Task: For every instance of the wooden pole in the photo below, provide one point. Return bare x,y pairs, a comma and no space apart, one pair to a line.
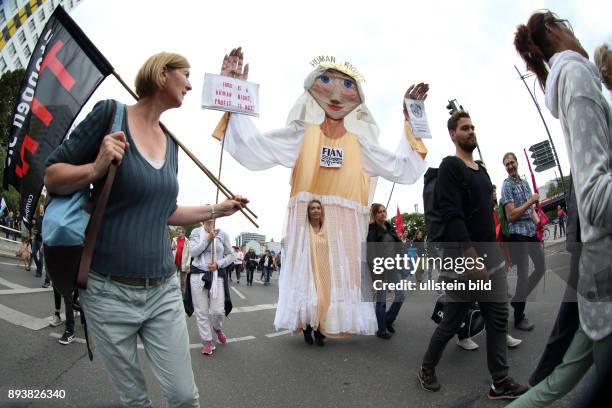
220,186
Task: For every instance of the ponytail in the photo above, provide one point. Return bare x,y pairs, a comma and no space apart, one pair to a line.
532,44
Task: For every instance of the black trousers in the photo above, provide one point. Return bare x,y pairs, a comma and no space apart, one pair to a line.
250,275
68,306
521,249
495,314
237,270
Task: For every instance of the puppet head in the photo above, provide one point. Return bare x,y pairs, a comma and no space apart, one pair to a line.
336,93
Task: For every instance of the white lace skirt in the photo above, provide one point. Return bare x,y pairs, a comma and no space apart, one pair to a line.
351,310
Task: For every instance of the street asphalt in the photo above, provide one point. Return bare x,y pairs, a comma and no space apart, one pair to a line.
263,368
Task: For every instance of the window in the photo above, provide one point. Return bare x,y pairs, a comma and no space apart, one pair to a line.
21,37
13,5
41,16
35,38
11,49
2,65
32,25
18,64
2,16
27,52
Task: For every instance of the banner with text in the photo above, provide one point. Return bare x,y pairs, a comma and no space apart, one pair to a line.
63,72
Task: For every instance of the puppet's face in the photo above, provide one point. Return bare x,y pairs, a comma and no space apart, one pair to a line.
336,93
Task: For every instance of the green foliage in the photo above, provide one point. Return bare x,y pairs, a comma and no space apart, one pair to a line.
557,188
10,83
413,222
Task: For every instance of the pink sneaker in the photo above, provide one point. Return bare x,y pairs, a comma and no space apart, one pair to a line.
221,337
208,348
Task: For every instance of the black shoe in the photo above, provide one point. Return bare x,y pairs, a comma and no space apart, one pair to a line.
67,338
390,327
308,335
38,275
524,325
319,337
383,335
428,380
506,389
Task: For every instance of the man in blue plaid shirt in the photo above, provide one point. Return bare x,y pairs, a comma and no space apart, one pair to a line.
518,202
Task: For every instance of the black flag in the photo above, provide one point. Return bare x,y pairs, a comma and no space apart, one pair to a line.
63,72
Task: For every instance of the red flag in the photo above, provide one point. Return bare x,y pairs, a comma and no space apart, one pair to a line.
399,223
64,70
541,214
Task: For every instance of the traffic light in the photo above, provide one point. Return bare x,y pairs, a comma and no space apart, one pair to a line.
542,156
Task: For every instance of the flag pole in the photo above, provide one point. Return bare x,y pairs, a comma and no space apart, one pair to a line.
220,186
390,194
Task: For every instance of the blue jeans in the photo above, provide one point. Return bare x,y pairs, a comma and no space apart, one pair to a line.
265,274
118,314
384,316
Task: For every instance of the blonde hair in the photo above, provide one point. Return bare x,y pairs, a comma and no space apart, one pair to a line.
150,79
322,210
603,58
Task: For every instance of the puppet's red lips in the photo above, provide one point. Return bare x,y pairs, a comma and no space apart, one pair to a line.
335,108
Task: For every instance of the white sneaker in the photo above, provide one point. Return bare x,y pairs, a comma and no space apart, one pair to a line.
55,321
512,342
467,344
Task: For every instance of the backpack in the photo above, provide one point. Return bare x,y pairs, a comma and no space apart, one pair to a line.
472,324
433,220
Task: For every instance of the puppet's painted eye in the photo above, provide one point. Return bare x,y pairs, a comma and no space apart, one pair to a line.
325,79
348,83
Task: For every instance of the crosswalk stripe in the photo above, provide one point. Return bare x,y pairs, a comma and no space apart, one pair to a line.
10,284
21,319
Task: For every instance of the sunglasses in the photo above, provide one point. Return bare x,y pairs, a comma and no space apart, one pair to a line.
565,23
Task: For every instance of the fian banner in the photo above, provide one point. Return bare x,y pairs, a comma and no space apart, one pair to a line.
63,72
230,95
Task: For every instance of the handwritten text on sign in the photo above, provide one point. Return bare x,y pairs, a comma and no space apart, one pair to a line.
230,95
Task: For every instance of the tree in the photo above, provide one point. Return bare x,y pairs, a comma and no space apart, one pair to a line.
556,187
413,222
10,83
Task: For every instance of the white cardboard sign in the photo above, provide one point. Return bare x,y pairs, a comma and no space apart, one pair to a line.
230,95
418,118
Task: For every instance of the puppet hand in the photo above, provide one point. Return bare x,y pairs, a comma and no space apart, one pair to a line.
417,92
232,65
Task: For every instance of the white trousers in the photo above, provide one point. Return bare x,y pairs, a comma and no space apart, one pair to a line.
206,309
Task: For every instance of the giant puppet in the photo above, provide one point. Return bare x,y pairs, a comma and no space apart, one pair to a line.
330,142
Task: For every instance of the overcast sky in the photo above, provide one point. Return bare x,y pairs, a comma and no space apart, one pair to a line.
463,50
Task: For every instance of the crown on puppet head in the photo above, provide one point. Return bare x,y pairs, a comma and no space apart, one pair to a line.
329,62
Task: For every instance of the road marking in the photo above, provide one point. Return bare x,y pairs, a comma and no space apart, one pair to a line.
240,295
10,284
141,347
235,339
21,319
280,333
24,291
10,264
255,308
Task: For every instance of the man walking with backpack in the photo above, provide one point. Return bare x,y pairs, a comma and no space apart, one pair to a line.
518,202
463,201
